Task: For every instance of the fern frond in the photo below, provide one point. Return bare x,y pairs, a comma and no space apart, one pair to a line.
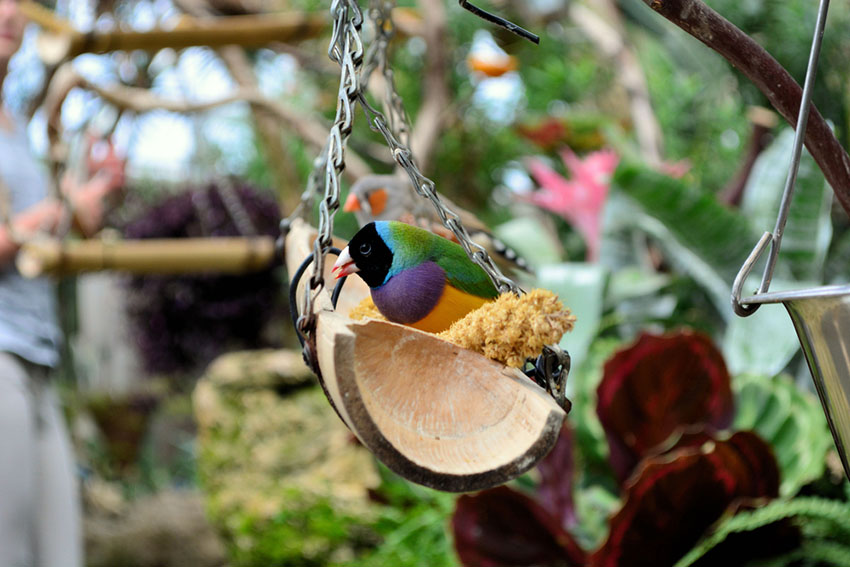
836,512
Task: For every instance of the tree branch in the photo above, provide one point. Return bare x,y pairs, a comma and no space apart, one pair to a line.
769,76
142,100
436,98
610,37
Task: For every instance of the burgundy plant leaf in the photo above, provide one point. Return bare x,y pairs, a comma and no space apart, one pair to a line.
657,386
547,134
504,528
555,491
673,499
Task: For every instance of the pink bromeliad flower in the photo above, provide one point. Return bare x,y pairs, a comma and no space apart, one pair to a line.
580,199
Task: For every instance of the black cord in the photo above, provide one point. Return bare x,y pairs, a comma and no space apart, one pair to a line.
492,18
293,288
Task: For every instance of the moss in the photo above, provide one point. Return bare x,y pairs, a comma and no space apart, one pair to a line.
286,483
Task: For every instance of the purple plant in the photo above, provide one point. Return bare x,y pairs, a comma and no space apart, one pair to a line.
662,403
182,322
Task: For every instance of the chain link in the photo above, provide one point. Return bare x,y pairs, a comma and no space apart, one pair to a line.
426,188
381,16
346,49
395,128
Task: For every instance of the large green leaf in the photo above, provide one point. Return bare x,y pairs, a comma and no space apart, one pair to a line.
809,228
765,342
531,239
701,237
591,444
836,268
790,420
580,287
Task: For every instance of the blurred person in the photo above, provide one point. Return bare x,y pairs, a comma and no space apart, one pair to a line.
40,519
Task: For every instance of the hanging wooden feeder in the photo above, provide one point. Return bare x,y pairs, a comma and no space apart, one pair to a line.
821,315
435,413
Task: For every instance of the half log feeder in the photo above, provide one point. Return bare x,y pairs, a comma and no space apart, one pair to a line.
435,413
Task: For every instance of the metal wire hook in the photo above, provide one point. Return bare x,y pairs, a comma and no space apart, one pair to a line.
775,238
499,21
300,320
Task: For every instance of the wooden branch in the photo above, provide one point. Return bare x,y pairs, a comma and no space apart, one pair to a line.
46,19
142,100
60,41
56,257
436,97
769,76
608,35
279,161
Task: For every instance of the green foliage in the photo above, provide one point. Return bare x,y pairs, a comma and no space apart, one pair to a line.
591,445
784,29
790,420
701,237
696,102
301,534
832,544
413,526
809,227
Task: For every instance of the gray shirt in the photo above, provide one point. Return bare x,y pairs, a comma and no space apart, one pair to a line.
28,323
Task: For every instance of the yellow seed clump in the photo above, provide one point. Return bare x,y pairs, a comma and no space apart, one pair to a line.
511,328
507,330
364,309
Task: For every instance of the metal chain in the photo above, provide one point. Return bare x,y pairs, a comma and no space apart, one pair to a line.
380,13
345,49
395,128
426,188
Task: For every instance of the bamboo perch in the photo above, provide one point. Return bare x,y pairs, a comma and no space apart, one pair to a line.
60,41
54,257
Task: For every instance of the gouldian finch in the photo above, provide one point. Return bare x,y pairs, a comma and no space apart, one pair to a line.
389,197
416,277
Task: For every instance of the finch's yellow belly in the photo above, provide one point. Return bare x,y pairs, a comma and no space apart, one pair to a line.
453,305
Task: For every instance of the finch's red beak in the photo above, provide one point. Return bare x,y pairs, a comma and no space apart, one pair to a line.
344,265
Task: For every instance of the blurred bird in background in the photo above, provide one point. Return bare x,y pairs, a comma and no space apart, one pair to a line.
390,197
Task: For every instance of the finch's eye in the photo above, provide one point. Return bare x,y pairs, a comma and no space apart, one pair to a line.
365,248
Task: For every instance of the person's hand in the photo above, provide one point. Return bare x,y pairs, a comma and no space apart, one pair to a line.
91,198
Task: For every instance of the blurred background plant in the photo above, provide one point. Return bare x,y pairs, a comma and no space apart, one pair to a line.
635,199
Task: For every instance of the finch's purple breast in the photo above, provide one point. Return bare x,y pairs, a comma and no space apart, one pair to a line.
411,294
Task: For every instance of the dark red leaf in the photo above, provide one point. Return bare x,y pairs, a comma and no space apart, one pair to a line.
548,134
672,499
657,386
504,528
555,491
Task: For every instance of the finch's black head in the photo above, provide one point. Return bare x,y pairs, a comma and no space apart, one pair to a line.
371,255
